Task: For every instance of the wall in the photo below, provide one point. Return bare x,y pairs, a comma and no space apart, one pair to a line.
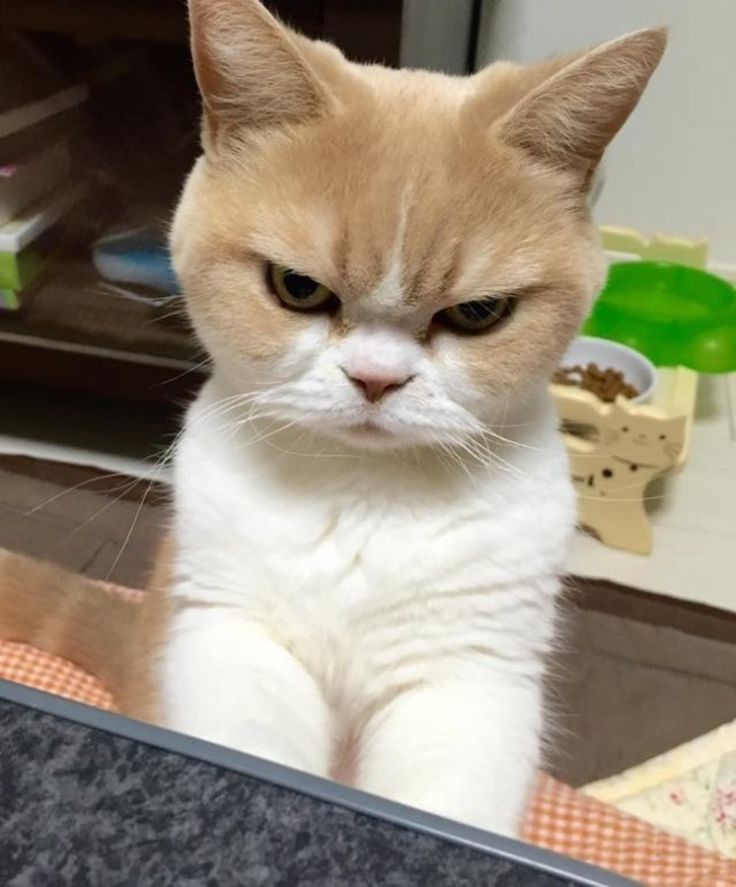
435,34
673,167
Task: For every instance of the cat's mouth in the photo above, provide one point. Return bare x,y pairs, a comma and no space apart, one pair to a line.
369,433
368,427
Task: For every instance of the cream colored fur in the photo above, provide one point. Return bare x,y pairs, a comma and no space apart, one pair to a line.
367,589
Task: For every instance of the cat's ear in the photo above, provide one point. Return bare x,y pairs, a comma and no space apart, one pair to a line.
568,120
249,69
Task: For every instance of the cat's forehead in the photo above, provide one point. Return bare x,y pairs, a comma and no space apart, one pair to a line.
420,253
395,228
400,201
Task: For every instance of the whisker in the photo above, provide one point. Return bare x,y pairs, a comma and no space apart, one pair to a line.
129,534
192,369
84,483
100,511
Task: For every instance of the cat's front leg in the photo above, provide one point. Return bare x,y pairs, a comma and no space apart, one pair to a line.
226,679
466,747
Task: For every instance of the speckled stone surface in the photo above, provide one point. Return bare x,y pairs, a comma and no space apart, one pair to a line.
79,806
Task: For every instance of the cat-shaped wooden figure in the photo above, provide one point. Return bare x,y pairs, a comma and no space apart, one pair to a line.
616,450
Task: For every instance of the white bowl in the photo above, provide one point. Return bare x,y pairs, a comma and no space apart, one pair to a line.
638,370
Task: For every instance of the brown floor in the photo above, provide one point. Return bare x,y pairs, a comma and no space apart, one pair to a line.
106,526
640,673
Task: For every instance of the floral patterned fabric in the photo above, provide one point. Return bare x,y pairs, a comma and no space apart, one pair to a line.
689,791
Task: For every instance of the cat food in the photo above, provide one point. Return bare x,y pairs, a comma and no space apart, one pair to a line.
606,383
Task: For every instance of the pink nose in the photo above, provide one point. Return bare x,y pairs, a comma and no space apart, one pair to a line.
374,387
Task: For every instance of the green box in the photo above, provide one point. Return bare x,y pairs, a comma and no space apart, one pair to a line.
18,270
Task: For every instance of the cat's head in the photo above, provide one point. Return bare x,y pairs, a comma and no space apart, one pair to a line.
642,439
392,257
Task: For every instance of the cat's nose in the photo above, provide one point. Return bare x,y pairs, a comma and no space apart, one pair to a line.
374,386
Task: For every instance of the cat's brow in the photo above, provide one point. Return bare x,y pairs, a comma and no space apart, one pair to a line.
432,278
359,276
342,253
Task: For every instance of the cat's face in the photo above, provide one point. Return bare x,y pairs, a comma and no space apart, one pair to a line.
398,227
386,267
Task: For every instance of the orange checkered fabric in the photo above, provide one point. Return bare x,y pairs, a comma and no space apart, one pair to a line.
34,668
559,818
571,823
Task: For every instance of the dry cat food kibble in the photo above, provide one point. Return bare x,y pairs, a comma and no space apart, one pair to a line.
606,384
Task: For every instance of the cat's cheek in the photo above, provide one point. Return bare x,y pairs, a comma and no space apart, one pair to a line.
496,376
302,355
306,347
516,360
453,374
245,331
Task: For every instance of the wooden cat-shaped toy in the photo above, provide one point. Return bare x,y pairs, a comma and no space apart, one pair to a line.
616,450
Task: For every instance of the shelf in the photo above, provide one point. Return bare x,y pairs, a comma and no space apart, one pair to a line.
366,32
134,20
72,333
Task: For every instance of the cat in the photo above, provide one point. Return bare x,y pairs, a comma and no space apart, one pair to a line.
372,502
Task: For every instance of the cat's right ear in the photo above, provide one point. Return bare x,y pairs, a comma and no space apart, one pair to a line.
569,119
249,69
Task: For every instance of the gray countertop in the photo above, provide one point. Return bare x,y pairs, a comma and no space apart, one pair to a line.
82,805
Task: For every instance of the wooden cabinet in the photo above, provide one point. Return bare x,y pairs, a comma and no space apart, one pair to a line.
71,331
367,30
132,141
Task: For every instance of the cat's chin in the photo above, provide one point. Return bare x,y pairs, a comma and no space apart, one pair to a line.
373,437
369,436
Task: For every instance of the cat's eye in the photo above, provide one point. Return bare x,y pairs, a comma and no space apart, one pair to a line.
299,292
478,316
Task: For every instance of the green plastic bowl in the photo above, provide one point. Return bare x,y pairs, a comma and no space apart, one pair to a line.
676,316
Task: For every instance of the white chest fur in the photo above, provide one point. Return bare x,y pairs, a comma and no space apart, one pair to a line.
314,543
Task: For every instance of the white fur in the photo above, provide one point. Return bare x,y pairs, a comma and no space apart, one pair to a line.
394,597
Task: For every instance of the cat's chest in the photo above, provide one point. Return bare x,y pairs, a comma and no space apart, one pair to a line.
313,541
259,529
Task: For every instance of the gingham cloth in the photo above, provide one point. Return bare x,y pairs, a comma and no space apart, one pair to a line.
559,818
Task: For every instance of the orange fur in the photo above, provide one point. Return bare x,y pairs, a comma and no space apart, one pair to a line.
66,615
113,638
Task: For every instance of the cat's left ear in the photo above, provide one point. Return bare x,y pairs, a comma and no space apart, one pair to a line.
568,121
250,71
